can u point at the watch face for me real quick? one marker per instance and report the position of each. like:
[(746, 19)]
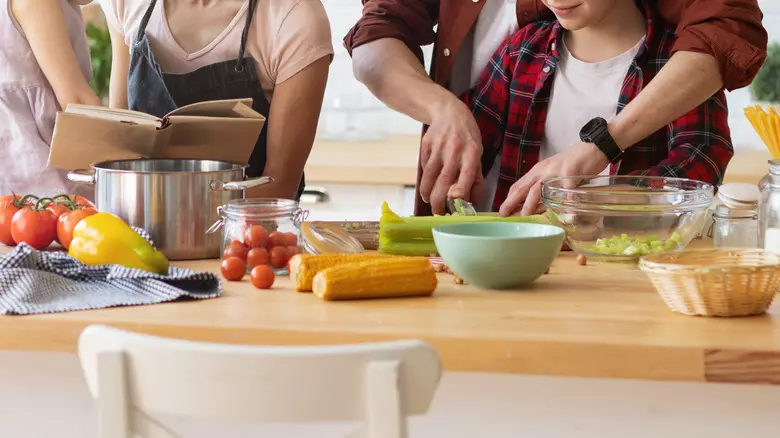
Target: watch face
[(591, 129)]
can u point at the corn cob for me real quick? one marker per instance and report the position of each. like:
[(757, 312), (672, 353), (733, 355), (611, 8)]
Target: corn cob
[(303, 267), (379, 278)]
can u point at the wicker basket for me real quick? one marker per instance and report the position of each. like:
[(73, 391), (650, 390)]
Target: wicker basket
[(715, 282)]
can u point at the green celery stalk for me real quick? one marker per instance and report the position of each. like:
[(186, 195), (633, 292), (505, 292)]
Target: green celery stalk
[(422, 227), (414, 247)]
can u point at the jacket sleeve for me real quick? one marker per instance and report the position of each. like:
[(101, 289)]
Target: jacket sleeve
[(411, 21), (699, 144), (729, 30)]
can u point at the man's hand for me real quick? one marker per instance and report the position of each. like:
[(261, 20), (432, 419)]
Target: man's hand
[(525, 195), (451, 157)]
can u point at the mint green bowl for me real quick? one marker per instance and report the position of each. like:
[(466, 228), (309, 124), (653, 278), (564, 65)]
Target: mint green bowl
[(498, 255)]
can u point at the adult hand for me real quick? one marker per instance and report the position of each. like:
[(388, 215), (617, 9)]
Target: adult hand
[(451, 157), (526, 194)]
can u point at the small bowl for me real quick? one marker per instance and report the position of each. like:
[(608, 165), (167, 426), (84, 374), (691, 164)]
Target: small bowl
[(622, 218), (498, 255)]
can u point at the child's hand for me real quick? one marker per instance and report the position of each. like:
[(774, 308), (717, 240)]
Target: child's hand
[(525, 195)]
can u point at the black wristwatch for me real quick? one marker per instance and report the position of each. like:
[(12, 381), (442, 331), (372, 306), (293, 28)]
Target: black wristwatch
[(596, 132)]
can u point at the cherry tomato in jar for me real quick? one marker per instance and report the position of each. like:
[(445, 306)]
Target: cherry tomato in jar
[(233, 269), (237, 250), (257, 257), (262, 277), (277, 239), (9, 205), (37, 228), (68, 221), (291, 239), (255, 236), (279, 256), (292, 250)]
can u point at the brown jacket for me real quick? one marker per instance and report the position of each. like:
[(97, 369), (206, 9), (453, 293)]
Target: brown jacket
[(729, 30)]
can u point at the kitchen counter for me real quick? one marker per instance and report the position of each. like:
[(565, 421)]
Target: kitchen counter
[(389, 161), (394, 161), (599, 320)]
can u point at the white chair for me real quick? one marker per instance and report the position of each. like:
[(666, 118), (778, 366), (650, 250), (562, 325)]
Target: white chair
[(132, 376)]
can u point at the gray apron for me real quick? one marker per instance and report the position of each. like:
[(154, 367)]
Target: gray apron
[(154, 92)]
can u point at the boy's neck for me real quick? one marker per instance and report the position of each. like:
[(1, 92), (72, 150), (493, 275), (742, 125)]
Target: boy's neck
[(616, 33)]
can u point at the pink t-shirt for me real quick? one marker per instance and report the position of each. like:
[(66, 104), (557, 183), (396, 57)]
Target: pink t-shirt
[(286, 36)]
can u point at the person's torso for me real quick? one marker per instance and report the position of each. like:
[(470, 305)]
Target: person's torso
[(582, 91), (18, 65), (533, 76), (179, 48)]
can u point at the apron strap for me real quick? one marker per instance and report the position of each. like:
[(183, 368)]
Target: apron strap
[(145, 21), (250, 14)]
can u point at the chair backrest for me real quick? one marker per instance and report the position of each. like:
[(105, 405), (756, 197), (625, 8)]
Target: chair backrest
[(131, 375)]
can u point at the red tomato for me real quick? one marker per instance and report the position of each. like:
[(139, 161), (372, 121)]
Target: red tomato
[(37, 228), (237, 242), (279, 256), (7, 211), (292, 239), (233, 269), (277, 239), (255, 236), (257, 257), (293, 250), (58, 206), (67, 222), (262, 277), (237, 250)]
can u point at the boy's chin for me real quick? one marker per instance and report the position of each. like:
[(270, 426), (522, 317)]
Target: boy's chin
[(572, 24)]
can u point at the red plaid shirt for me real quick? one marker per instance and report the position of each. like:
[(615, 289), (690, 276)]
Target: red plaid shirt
[(511, 97)]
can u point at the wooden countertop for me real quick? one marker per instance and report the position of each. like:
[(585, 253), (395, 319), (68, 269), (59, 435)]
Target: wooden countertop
[(394, 161), (599, 320), (389, 161)]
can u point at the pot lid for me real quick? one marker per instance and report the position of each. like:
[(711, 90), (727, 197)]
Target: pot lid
[(739, 195), (326, 238)]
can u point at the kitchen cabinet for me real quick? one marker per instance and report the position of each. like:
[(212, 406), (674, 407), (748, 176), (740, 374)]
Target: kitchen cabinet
[(355, 202)]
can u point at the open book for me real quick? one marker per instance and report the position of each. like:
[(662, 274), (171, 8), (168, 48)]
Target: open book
[(215, 108), (224, 130)]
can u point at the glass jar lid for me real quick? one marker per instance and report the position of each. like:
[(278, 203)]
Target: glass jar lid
[(739, 195), (328, 238)]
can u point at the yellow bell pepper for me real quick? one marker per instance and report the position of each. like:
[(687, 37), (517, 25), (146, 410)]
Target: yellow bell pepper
[(105, 239)]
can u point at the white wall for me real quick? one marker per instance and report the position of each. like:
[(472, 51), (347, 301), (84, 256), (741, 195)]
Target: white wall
[(374, 117)]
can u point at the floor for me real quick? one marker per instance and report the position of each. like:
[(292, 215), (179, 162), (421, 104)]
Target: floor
[(43, 395)]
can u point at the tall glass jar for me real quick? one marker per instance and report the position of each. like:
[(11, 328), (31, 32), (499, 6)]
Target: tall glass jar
[(769, 209)]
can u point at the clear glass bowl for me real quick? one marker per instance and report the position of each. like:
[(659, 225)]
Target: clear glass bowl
[(622, 218)]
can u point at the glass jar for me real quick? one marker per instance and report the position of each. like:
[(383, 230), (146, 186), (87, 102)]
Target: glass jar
[(270, 231), (261, 231), (735, 227), (769, 209)]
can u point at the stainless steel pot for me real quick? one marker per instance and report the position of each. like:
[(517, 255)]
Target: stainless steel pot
[(175, 201)]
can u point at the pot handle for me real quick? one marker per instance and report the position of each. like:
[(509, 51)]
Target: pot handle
[(241, 185), (82, 176)]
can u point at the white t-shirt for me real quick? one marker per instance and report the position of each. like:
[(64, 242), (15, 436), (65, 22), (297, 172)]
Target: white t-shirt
[(285, 37), (496, 21), (581, 92)]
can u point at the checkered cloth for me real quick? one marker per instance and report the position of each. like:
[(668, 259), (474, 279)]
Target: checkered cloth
[(33, 282)]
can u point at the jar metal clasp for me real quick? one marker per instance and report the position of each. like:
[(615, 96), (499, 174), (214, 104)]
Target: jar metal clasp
[(299, 216), (220, 222)]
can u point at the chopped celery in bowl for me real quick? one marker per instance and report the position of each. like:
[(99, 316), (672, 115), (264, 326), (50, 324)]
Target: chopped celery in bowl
[(623, 218)]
